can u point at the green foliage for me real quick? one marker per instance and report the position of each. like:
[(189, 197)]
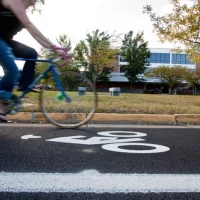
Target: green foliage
[(70, 82), (104, 76), (193, 77), (40, 67), (171, 76), (181, 26), (136, 53), (65, 42), (96, 53), (37, 6)]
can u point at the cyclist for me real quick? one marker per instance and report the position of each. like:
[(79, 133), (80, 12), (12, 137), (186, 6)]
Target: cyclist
[(13, 19)]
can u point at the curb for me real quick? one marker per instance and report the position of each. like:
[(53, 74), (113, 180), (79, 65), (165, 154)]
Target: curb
[(189, 119), (140, 119), (134, 118)]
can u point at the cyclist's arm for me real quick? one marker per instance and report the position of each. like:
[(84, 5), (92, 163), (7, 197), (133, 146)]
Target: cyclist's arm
[(17, 7)]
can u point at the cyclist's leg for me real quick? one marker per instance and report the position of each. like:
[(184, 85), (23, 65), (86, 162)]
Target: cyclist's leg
[(10, 75), (22, 51)]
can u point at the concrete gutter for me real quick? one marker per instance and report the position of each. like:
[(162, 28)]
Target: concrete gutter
[(109, 118)]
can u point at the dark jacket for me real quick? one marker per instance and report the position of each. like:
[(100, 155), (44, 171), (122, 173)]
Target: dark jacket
[(9, 24)]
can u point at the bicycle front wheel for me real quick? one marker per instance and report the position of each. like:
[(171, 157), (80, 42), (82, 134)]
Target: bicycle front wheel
[(72, 114)]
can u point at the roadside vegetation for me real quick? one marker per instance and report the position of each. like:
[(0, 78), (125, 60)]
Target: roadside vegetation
[(131, 103), (94, 54)]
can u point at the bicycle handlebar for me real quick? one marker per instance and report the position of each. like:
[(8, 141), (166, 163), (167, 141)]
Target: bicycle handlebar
[(63, 53)]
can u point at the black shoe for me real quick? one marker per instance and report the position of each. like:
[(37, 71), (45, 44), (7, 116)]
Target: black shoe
[(13, 105), (4, 120)]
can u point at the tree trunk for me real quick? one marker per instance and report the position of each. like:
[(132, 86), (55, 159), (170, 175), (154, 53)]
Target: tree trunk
[(94, 81), (170, 90), (131, 87)]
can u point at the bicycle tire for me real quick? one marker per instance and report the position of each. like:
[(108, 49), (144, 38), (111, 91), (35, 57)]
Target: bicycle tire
[(83, 104)]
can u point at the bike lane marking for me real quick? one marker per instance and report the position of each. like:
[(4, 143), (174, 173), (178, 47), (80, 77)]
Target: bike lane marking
[(112, 141), (92, 181)]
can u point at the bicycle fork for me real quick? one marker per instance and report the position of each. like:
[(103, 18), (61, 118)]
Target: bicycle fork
[(56, 75)]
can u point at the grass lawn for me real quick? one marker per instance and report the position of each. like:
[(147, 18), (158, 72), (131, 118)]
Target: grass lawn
[(132, 103)]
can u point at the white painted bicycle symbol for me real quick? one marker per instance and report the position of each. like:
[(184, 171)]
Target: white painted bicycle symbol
[(116, 141)]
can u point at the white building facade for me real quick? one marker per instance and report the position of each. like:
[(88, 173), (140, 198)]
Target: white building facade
[(159, 57)]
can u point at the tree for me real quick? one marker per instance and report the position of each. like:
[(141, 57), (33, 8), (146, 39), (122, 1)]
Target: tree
[(96, 53), (171, 76), (193, 78), (64, 42), (103, 76), (181, 26), (35, 7), (136, 53)]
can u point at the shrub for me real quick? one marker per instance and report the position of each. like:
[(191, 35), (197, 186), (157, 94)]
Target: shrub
[(152, 91), (184, 92)]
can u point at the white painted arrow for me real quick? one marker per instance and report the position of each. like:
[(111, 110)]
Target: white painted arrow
[(26, 137)]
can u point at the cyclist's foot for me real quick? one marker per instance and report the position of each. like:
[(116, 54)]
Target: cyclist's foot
[(32, 90), (11, 106), (3, 118)]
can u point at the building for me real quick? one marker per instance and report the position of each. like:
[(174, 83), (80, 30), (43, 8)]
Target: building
[(159, 56)]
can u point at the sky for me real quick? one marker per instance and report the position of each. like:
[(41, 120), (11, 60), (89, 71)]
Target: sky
[(76, 18)]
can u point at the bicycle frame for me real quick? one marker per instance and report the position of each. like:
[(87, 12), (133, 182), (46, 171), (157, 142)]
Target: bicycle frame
[(54, 70)]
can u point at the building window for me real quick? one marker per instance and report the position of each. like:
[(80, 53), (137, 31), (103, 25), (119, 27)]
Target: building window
[(122, 59), (180, 59), (159, 58)]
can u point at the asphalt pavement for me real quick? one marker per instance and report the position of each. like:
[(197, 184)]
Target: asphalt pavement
[(40, 161)]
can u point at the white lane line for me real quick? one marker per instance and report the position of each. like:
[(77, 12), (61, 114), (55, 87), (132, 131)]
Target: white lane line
[(92, 181)]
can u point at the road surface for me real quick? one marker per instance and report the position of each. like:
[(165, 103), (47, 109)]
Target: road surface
[(99, 162)]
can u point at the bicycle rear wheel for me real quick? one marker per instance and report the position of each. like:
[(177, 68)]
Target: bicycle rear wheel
[(69, 114)]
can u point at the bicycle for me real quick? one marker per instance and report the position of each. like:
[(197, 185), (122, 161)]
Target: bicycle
[(66, 106)]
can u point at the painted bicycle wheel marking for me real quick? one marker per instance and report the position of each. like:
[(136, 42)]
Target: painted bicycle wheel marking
[(116, 141)]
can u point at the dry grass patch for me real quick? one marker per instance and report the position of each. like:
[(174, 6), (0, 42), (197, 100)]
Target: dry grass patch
[(149, 104), (125, 103)]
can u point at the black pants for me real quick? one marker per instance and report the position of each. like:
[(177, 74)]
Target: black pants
[(23, 51), (7, 50)]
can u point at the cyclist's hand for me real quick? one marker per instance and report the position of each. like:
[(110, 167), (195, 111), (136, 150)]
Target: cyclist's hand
[(63, 53)]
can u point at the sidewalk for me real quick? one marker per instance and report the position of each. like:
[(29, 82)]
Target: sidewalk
[(139, 119)]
